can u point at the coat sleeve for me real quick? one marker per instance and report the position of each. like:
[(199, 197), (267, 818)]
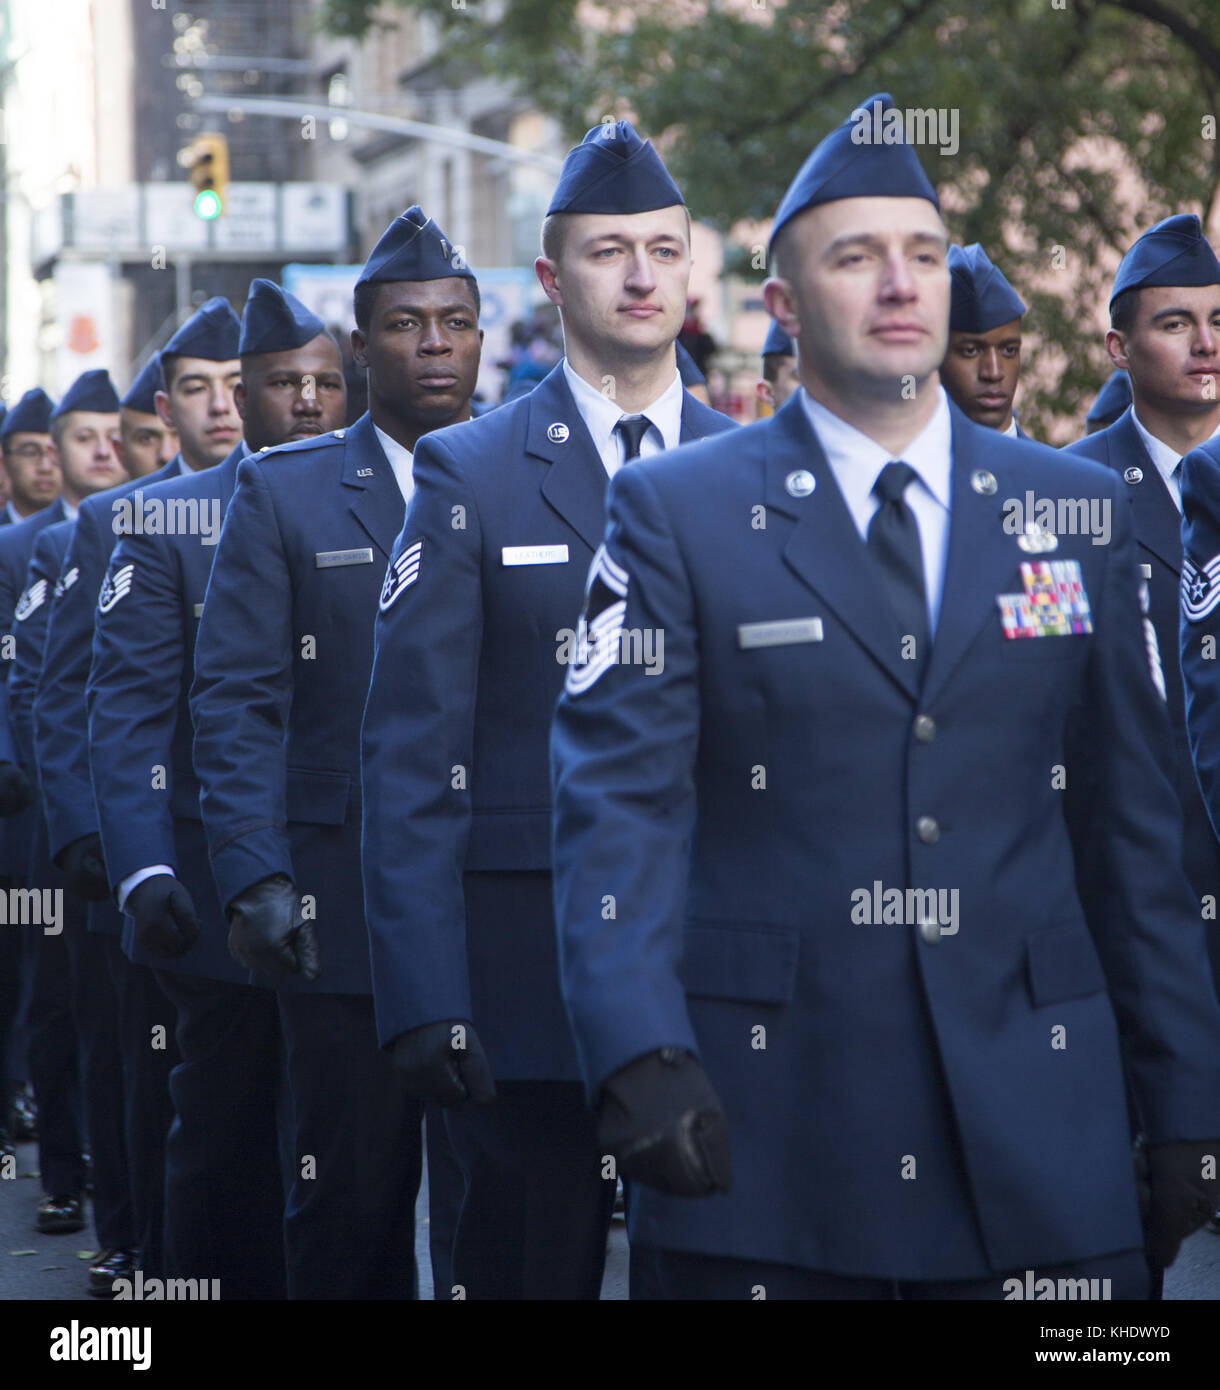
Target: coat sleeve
[(622, 767), (242, 693), (1152, 944), (29, 641), (132, 702), (61, 734), (417, 748)]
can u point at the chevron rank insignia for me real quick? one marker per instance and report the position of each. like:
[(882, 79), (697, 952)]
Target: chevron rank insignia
[(600, 629), (402, 573), (29, 602), (1200, 588), (66, 581), (1053, 602), (114, 587)]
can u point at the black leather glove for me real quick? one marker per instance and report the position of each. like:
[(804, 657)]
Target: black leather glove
[(444, 1062), (164, 916), (15, 793), (267, 932), (663, 1123), (1175, 1200), (84, 868)]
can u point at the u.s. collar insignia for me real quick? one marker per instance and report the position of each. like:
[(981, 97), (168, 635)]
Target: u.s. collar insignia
[(1133, 475), (983, 482), (800, 484), (1200, 588), (1036, 539), (558, 432), (29, 602), (66, 581), (364, 472), (402, 573), (114, 587)]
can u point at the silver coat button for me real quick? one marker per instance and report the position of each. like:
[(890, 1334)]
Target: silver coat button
[(930, 931), (925, 728), (928, 831), (801, 483)]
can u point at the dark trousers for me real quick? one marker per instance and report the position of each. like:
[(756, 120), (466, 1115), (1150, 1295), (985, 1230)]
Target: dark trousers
[(12, 1065), (674, 1274), (149, 1051), (224, 1201), (537, 1212), (350, 1222), (446, 1192), (95, 1007), (54, 1072)]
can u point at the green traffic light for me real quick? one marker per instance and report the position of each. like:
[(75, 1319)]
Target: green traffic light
[(207, 204)]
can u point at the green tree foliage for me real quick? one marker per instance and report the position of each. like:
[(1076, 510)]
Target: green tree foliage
[(1048, 92)]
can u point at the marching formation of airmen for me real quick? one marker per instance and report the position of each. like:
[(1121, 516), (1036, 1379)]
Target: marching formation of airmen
[(600, 799)]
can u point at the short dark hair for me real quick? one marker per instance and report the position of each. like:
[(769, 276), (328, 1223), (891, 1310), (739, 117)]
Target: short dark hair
[(366, 296), (771, 364), (1123, 311), (555, 231), (169, 369)]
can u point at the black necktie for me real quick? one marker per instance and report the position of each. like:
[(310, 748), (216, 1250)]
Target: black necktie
[(893, 541), (633, 428)]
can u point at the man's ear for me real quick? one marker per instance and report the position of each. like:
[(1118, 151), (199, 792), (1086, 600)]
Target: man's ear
[(239, 398), (360, 349), (1116, 346), (780, 304), (164, 411), (548, 277)]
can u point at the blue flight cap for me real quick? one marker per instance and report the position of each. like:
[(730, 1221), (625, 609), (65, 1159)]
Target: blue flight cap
[(1174, 252), (613, 170), (982, 299), (866, 157), (211, 332), (31, 414), (777, 343), (687, 370), (146, 385), (1113, 398), (90, 391), (275, 321), (413, 247)]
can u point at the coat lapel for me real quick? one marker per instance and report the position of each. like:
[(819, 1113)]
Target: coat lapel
[(824, 549), (1158, 525), (983, 558), (377, 501), (575, 482)]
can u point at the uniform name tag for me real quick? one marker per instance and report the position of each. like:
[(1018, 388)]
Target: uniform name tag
[(199, 610), (534, 555), (332, 559), (782, 633)]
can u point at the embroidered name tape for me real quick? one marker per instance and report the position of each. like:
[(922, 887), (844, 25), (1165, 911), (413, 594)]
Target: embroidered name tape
[(782, 633), (534, 555), (402, 573), (333, 559), (1053, 602)]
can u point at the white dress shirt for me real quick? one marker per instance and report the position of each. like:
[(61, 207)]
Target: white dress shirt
[(601, 414), (856, 462), (402, 461), (1011, 428)]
